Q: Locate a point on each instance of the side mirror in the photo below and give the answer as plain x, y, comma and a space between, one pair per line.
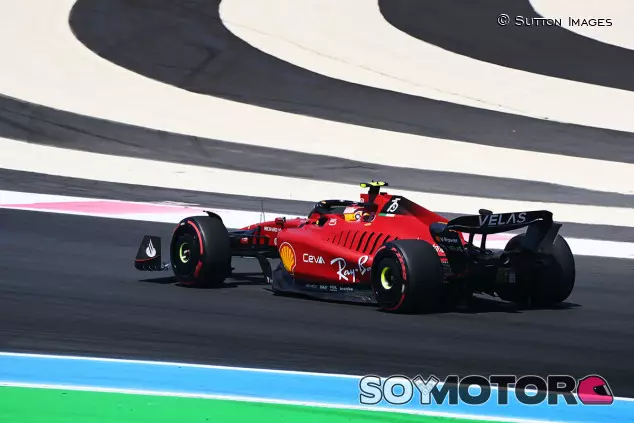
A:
280, 221
485, 212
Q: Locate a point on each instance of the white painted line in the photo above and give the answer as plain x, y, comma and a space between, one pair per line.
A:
620, 13
359, 45
151, 212
119, 95
275, 401
100, 167
580, 247
176, 364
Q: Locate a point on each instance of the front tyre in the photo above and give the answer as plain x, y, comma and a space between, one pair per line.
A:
200, 251
407, 277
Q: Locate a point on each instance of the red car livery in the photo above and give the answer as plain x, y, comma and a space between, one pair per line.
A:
383, 249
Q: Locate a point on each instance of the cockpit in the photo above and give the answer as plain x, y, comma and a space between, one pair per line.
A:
352, 211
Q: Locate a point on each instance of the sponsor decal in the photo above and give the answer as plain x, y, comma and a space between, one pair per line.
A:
271, 229
150, 251
393, 205
456, 248
321, 287
345, 273
445, 240
332, 222
477, 390
502, 219
287, 255
332, 288
313, 259
450, 244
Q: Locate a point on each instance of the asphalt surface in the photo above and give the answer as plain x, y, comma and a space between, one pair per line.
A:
185, 44
546, 50
68, 286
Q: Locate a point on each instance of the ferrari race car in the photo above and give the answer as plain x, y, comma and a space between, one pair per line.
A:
383, 249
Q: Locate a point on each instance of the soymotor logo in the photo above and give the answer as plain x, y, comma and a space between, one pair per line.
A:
478, 390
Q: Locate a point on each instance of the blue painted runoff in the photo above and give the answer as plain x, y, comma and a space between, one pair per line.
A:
207, 380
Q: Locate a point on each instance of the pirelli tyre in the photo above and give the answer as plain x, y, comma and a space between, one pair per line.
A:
545, 284
407, 277
200, 251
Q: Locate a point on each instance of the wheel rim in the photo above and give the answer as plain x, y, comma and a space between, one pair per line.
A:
184, 252
387, 278
388, 284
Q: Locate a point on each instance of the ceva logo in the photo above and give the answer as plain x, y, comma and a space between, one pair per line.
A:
313, 259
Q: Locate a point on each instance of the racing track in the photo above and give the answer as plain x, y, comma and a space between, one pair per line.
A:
77, 292
69, 286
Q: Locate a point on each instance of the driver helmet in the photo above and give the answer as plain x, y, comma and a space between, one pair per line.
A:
353, 213
357, 213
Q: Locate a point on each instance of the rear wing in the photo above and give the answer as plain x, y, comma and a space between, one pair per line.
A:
540, 235
488, 223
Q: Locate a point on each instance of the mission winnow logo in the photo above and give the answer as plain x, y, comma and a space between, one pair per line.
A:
478, 390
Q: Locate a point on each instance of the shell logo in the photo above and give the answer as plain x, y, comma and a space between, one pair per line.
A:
287, 255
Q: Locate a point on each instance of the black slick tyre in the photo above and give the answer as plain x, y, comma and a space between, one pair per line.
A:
200, 251
544, 285
407, 277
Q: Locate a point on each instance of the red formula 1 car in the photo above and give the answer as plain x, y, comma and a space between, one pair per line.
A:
383, 249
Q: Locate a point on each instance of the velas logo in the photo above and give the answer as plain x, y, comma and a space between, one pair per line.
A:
594, 390
287, 255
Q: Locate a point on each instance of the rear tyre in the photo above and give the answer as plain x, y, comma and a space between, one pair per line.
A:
200, 251
546, 285
407, 277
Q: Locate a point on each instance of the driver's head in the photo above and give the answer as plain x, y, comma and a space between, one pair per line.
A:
353, 213
358, 213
